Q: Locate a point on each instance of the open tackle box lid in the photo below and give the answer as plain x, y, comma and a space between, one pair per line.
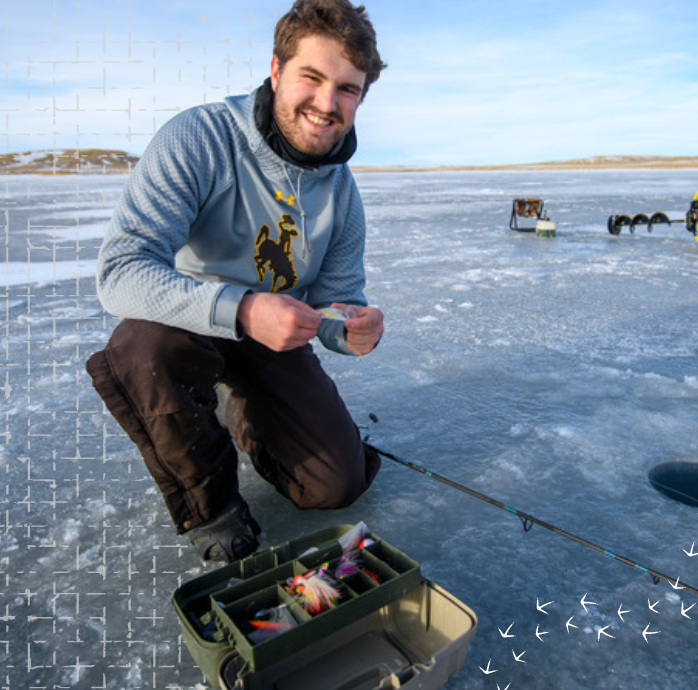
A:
391, 628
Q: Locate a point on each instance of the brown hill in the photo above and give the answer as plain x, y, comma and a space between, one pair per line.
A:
67, 162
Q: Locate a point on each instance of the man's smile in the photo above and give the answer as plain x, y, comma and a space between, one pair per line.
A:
318, 120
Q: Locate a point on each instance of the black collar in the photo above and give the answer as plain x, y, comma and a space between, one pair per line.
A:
266, 124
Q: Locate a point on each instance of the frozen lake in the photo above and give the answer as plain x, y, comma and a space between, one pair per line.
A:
548, 373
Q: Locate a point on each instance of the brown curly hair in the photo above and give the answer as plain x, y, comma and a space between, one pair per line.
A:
337, 19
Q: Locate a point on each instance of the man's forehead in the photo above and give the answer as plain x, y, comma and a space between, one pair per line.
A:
307, 56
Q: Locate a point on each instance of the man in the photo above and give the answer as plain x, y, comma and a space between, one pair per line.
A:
238, 225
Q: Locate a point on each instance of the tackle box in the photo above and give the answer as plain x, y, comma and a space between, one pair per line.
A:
392, 628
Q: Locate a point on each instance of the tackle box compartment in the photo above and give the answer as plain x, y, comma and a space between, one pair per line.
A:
389, 628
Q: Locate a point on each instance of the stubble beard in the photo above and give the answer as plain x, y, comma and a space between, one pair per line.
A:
291, 122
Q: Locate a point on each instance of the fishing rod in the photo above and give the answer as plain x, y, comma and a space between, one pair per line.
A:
529, 520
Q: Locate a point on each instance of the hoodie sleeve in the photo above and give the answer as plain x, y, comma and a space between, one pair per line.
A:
333, 336
136, 275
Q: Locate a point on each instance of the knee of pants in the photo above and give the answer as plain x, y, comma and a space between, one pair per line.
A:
344, 495
339, 490
164, 368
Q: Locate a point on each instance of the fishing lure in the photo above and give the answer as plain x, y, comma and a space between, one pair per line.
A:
351, 540
368, 573
347, 565
350, 561
269, 623
314, 591
271, 626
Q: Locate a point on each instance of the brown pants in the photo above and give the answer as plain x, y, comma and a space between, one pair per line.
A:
285, 412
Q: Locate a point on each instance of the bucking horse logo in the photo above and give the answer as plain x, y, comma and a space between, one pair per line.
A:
277, 257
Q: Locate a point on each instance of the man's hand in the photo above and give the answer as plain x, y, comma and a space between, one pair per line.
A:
364, 327
278, 321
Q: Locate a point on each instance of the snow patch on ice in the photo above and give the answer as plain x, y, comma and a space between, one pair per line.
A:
53, 380
46, 272
71, 530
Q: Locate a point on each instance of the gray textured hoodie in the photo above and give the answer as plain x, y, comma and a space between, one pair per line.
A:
210, 213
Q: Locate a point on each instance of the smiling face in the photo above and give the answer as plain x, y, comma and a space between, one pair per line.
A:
316, 94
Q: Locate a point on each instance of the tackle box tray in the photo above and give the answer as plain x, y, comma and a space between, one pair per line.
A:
414, 643
215, 609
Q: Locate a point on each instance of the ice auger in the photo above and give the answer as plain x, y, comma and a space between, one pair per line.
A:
617, 223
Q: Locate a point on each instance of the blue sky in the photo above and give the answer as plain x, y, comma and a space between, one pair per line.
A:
470, 82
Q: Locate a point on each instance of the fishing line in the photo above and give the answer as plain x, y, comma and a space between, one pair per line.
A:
529, 520
673, 492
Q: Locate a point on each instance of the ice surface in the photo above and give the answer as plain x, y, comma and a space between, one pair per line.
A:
548, 373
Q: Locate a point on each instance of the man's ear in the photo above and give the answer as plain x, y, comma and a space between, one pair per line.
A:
275, 71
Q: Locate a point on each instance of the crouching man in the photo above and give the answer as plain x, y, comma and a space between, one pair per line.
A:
240, 223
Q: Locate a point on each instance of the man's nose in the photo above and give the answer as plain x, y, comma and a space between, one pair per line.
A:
326, 98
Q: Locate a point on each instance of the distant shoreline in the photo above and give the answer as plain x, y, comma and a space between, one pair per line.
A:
595, 163
112, 162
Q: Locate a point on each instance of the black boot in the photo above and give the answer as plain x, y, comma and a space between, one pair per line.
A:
230, 536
